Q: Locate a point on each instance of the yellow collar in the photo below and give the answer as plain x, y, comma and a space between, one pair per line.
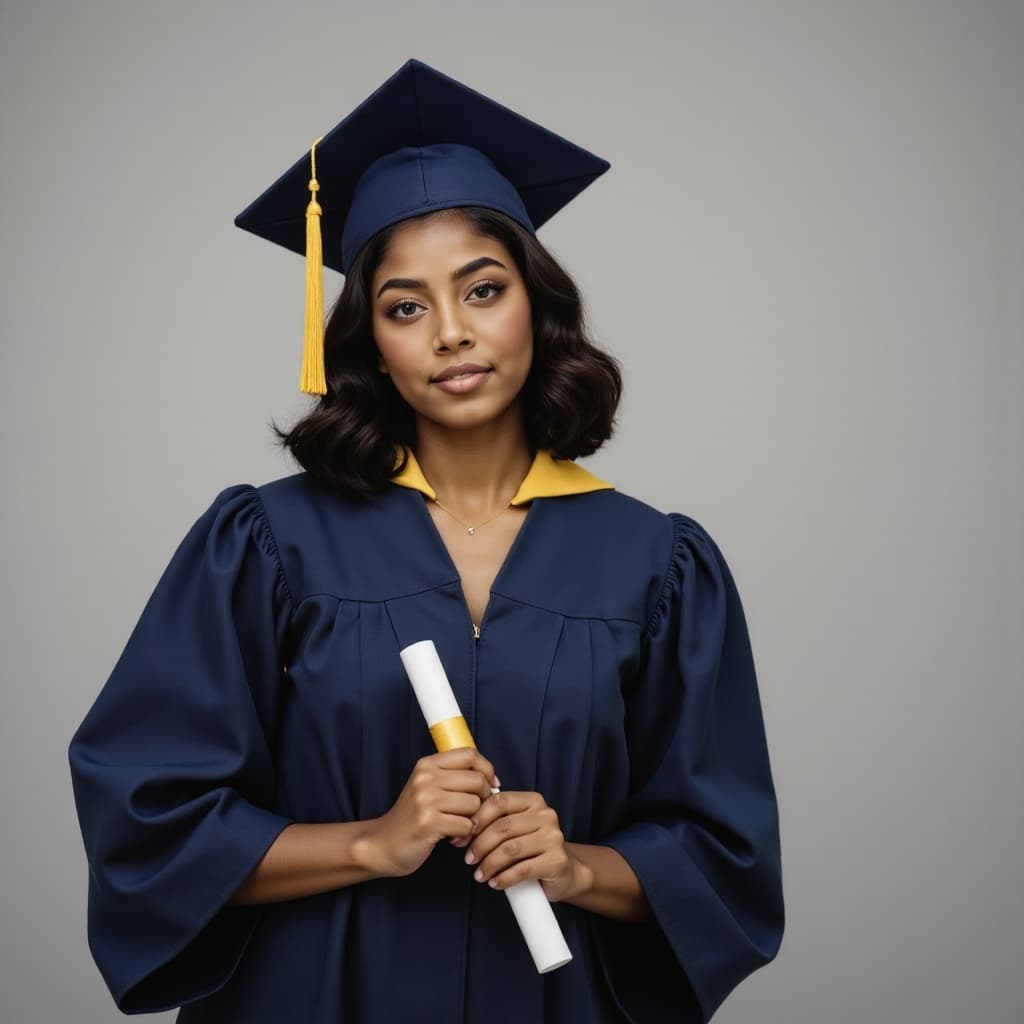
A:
548, 477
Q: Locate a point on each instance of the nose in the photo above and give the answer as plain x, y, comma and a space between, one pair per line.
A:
452, 329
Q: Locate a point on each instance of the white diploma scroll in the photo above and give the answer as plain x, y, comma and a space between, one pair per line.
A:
530, 906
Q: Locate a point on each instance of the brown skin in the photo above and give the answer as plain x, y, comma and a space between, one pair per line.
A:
437, 802
472, 448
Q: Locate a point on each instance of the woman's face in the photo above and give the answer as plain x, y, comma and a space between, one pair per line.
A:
442, 296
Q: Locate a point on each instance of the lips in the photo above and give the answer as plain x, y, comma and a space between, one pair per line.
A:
459, 370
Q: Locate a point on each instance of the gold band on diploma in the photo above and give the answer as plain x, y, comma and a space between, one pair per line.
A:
452, 733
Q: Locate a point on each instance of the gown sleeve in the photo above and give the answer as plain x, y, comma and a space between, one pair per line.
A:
701, 830
172, 769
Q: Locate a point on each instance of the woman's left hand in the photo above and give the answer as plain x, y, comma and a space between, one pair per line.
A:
517, 837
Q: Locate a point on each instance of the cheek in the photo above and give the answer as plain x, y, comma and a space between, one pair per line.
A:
512, 328
394, 349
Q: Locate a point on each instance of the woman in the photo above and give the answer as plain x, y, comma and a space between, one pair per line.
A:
270, 836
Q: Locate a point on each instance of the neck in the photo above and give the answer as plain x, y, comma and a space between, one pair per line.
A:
474, 471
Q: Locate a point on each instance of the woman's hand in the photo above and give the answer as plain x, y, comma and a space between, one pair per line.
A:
518, 837
442, 794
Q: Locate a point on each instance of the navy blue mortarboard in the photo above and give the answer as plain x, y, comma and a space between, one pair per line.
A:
421, 142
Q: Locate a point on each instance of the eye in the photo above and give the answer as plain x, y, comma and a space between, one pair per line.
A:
487, 286
406, 309
403, 309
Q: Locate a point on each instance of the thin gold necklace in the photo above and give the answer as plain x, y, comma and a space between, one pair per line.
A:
473, 529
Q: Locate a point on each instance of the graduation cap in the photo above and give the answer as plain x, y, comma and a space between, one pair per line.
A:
421, 142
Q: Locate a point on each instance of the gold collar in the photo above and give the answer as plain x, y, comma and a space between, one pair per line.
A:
548, 477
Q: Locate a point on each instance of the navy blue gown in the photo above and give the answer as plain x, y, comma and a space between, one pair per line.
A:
262, 686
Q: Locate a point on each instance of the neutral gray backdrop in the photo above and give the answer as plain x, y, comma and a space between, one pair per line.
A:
809, 255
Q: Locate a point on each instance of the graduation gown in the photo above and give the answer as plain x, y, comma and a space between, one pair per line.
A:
262, 686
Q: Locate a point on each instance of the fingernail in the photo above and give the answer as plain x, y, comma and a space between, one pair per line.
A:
478, 875
470, 858
493, 883
497, 782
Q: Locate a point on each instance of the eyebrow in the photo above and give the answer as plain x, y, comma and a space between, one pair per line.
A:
471, 267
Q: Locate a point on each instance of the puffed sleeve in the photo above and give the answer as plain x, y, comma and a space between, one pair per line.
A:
702, 830
172, 767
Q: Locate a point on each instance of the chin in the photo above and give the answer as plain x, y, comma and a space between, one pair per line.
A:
468, 420
469, 415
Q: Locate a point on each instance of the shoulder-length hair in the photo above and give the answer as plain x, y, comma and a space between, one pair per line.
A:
348, 439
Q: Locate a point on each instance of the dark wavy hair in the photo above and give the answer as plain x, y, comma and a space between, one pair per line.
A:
569, 398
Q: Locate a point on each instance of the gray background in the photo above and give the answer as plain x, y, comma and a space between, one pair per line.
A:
808, 254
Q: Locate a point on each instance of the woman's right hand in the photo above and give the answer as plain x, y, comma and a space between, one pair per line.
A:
441, 795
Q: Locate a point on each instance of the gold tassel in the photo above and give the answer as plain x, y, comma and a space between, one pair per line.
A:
313, 380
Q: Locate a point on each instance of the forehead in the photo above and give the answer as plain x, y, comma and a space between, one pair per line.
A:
440, 242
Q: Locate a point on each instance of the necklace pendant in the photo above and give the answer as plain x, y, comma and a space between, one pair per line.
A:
472, 529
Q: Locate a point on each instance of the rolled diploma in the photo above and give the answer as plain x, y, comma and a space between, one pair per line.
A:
530, 906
